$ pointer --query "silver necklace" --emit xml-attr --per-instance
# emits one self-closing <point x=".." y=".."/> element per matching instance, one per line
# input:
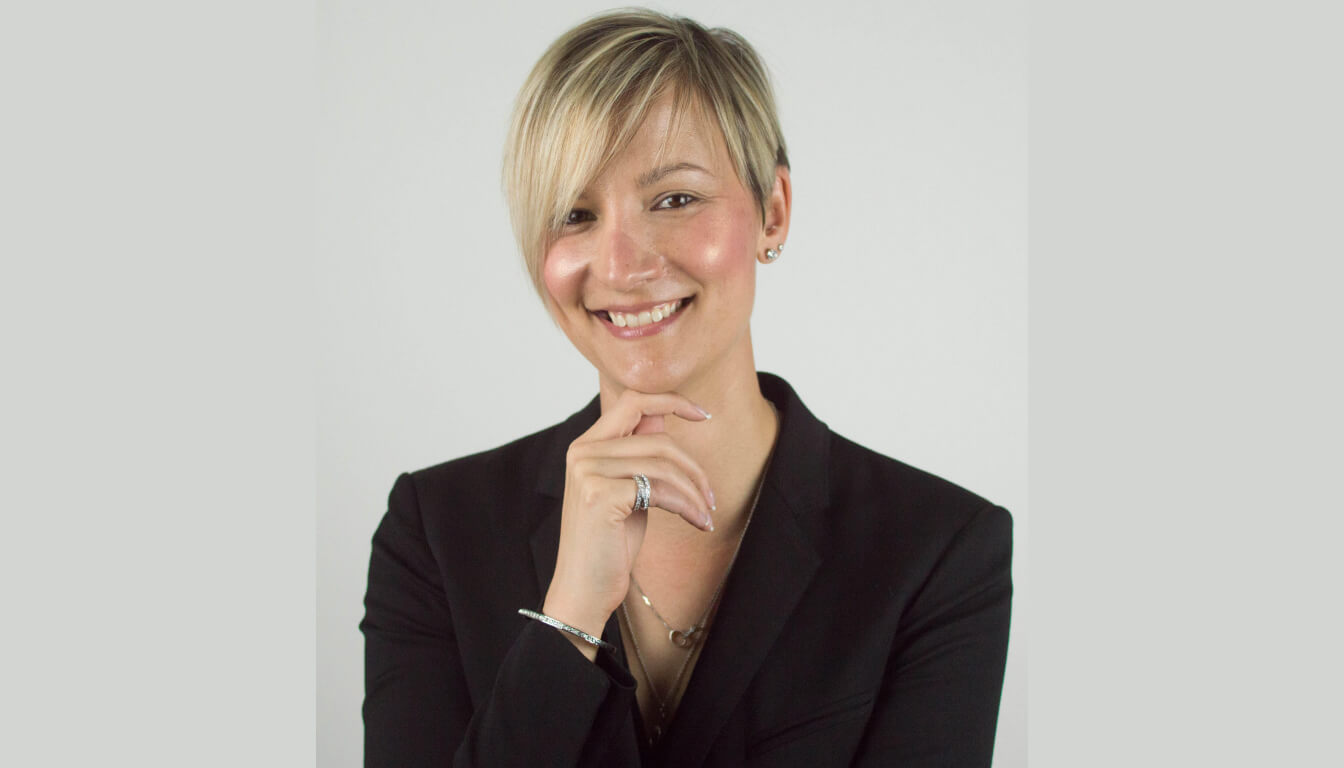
<point x="689" y="638"/>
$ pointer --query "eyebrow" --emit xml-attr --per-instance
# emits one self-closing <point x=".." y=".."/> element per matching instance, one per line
<point x="651" y="177"/>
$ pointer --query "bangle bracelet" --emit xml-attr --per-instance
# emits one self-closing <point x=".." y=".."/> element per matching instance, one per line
<point x="563" y="627"/>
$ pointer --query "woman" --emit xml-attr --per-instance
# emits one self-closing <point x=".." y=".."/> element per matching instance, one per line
<point x="692" y="569"/>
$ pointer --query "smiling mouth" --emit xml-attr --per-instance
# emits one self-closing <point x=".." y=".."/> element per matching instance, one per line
<point x="656" y="313"/>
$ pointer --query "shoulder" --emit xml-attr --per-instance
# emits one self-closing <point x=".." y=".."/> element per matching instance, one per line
<point x="489" y="499"/>
<point x="513" y="463"/>
<point x="493" y="490"/>
<point x="867" y="511"/>
<point x="864" y="474"/>
<point x="885" y="505"/>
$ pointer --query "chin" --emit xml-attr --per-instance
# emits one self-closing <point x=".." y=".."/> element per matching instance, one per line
<point x="649" y="376"/>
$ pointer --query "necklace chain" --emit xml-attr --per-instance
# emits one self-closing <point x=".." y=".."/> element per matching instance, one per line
<point x="690" y="638"/>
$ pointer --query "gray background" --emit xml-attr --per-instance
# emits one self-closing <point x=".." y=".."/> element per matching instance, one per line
<point x="157" y="314"/>
<point x="898" y="312"/>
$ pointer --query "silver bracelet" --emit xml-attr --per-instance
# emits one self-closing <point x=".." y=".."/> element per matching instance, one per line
<point x="563" y="627"/>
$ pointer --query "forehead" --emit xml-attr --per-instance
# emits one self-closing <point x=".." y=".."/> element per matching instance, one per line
<point x="673" y="133"/>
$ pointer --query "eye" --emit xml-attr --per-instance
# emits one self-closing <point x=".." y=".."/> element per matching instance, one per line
<point x="578" y="216"/>
<point x="676" y="200"/>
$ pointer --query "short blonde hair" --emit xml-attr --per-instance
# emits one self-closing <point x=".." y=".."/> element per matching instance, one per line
<point x="587" y="96"/>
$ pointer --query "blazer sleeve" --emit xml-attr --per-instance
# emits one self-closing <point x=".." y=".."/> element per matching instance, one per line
<point x="938" y="704"/>
<point x="549" y="706"/>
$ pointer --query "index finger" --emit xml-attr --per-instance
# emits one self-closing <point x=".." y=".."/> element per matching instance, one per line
<point x="633" y="406"/>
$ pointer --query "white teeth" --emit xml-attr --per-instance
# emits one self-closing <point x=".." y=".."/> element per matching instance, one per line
<point x="653" y="315"/>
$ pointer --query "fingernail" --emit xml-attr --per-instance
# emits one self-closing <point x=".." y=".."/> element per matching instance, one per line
<point x="710" y="522"/>
<point x="713" y="504"/>
<point x="705" y="413"/>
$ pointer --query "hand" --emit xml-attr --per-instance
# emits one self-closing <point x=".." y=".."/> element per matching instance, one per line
<point x="599" y="534"/>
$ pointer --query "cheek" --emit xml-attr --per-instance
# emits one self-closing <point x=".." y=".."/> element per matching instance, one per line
<point x="724" y="247"/>
<point x="561" y="271"/>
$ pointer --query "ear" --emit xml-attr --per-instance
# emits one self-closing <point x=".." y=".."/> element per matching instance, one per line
<point x="777" y="208"/>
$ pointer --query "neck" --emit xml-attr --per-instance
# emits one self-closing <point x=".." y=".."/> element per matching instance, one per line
<point x="732" y="447"/>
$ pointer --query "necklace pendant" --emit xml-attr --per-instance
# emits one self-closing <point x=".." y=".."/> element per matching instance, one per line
<point x="687" y="638"/>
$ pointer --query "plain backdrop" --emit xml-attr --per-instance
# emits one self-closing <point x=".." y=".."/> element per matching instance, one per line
<point x="158" y="313"/>
<point x="898" y="312"/>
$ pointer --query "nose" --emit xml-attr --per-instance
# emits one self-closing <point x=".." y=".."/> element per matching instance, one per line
<point x="626" y="258"/>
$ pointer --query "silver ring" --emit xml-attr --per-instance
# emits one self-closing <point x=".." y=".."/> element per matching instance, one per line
<point x="641" y="494"/>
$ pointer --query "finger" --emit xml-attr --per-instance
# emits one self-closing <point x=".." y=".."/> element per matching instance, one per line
<point x="665" y="492"/>
<point x="655" y="468"/>
<point x="650" y="425"/>
<point x="659" y="445"/>
<point x="678" y="501"/>
<point x="631" y="407"/>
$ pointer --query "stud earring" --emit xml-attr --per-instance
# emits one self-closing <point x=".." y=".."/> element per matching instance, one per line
<point x="774" y="253"/>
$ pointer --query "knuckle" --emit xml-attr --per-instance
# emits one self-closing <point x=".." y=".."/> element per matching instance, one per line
<point x="590" y="494"/>
<point x="574" y="453"/>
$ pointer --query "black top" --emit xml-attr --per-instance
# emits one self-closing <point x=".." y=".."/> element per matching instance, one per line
<point x="865" y="621"/>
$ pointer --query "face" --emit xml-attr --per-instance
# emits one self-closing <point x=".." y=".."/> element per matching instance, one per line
<point x="653" y="275"/>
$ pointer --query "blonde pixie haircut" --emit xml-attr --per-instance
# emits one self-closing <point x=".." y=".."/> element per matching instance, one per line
<point x="587" y="96"/>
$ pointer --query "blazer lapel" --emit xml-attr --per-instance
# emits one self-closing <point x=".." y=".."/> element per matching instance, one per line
<point x="773" y="570"/>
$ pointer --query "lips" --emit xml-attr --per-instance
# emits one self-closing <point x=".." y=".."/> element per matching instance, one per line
<point x="643" y="320"/>
<point x="636" y="318"/>
<point x="631" y="313"/>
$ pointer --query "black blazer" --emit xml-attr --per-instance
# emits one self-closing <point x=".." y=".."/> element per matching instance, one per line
<point x="864" y="623"/>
